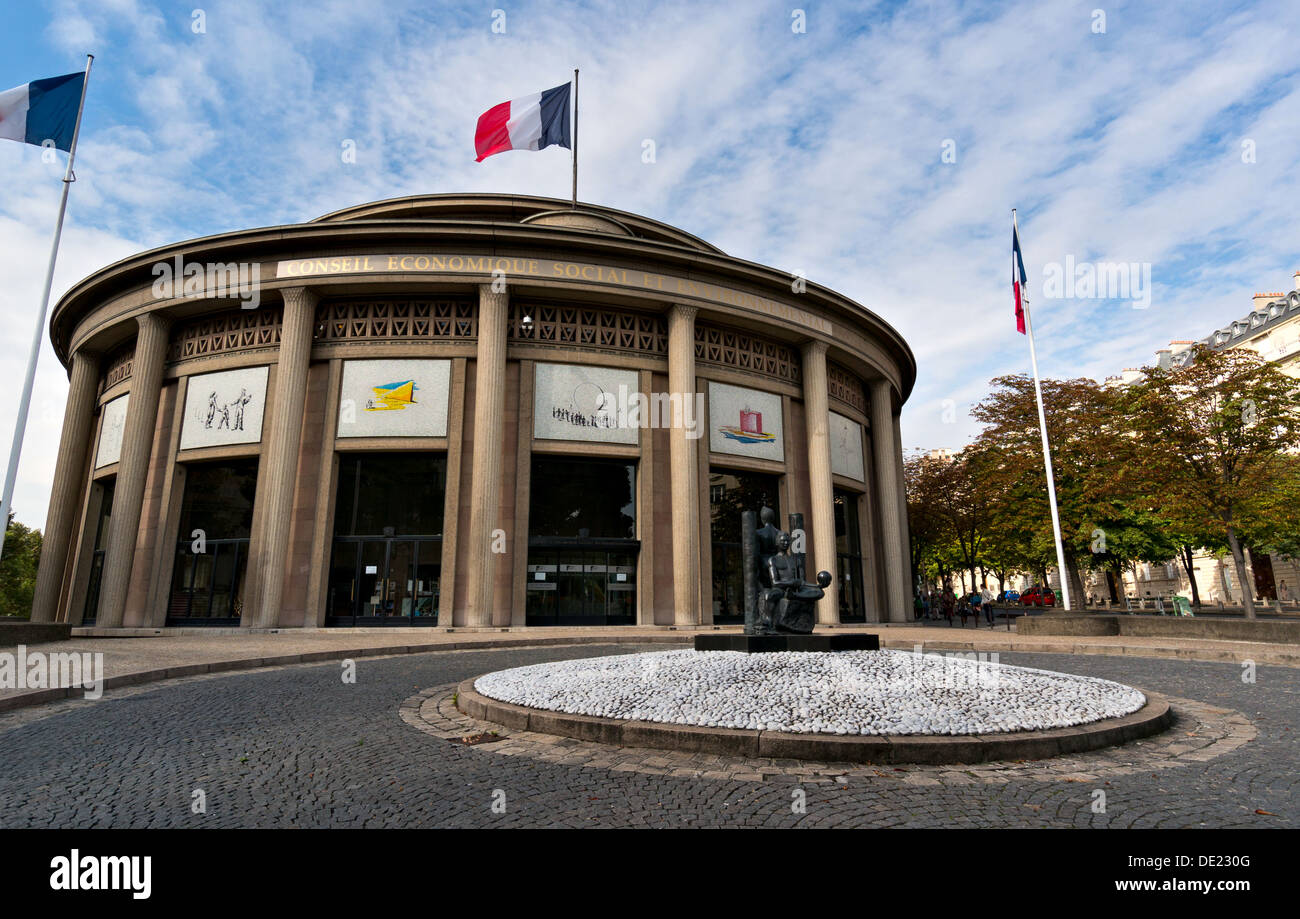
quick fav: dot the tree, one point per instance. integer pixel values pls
(22, 553)
(968, 503)
(1275, 526)
(1216, 432)
(1085, 433)
(925, 524)
(1129, 531)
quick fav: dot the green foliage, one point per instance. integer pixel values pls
(22, 552)
(1199, 456)
(1225, 424)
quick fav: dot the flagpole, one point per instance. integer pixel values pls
(1042, 429)
(24, 403)
(575, 139)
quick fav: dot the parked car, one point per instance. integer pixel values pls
(1038, 596)
(1009, 596)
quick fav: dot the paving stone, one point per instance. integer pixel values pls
(294, 746)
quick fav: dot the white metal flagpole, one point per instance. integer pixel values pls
(1042, 429)
(574, 204)
(20, 425)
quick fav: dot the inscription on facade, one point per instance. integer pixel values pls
(671, 285)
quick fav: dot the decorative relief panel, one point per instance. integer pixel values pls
(588, 327)
(746, 422)
(846, 447)
(225, 333)
(845, 387)
(747, 352)
(224, 408)
(110, 432)
(117, 369)
(394, 398)
(579, 402)
(442, 319)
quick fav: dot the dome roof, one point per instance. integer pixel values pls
(493, 208)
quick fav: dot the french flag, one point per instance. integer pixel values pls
(42, 110)
(530, 123)
(1018, 278)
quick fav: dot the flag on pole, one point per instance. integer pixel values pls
(45, 110)
(1026, 328)
(1018, 278)
(531, 123)
(42, 110)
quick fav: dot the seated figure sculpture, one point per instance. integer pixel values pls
(789, 605)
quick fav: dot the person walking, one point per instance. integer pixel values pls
(948, 601)
(987, 603)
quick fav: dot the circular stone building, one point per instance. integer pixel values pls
(473, 410)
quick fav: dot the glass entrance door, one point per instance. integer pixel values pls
(91, 611)
(582, 546)
(848, 552)
(387, 561)
(212, 543)
(384, 581)
(732, 492)
(568, 585)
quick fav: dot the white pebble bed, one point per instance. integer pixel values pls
(845, 692)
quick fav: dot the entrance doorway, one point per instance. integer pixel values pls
(731, 493)
(386, 567)
(212, 543)
(848, 556)
(385, 581)
(582, 546)
(1261, 564)
(91, 611)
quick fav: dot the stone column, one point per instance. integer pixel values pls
(902, 517)
(132, 467)
(684, 469)
(885, 451)
(280, 454)
(821, 487)
(489, 437)
(66, 493)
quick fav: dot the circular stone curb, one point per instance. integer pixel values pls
(925, 749)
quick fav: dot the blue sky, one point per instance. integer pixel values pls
(819, 152)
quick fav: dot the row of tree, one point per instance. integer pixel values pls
(1196, 457)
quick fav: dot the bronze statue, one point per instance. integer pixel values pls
(757, 545)
(789, 604)
(766, 542)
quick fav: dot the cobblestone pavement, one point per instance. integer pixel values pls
(296, 746)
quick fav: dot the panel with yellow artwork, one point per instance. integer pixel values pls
(394, 398)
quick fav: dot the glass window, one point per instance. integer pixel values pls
(402, 491)
(219, 499)
(581, 498)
